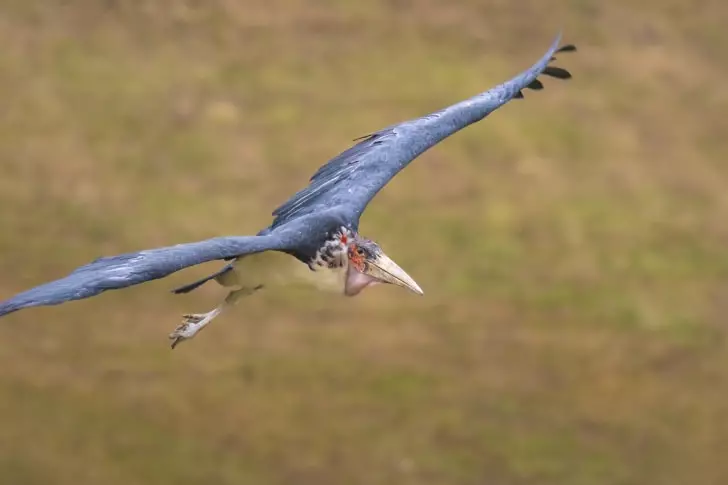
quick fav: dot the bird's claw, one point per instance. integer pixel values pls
(193, 318)
(188, 329)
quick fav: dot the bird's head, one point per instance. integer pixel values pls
(368, 265)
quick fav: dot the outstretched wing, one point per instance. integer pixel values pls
(114, 272)
(350, 180)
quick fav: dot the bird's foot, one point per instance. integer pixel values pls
(192, 324)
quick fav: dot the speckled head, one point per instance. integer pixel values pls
(368, 265)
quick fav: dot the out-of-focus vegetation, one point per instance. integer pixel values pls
(572, 247)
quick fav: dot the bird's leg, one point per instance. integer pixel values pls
(193, 323)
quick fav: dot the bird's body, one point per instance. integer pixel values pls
(274, 269)
(318, 226)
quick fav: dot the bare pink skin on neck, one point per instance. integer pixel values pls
(356, 281)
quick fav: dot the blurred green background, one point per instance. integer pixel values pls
(572, 247)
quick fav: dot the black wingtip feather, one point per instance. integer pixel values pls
(557, 72)
(567, 48)
(535, 85)
(552, 71)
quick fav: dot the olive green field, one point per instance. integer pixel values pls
(572, 247)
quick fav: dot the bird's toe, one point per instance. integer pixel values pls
(192, 318)
(184, 331)
(179, 334)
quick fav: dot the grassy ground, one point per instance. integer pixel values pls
(572, 248)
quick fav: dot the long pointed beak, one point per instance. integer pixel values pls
(384, 269)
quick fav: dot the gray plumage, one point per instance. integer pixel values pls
(350, 180)
(337, 195)
(114, 272)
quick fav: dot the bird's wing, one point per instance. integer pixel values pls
(350, 180)
(114, 272)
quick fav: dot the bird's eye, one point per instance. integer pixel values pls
(360, 251)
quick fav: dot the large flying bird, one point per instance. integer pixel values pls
(318, 226)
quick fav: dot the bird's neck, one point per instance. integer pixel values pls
(329, 265)
(333, 254)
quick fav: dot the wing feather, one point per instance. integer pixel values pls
(351, 179)
(124, 270)
(337, 170)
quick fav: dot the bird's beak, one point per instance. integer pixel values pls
(385, 270)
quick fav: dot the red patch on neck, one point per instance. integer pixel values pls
(344, 239)
(355, 258)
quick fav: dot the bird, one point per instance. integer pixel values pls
(316, 230)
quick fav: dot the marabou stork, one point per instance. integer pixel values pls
(318, 226)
